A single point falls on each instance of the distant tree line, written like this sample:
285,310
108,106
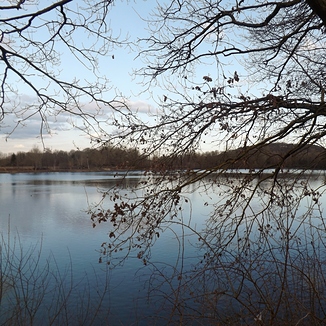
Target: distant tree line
87,159
268,157
310,157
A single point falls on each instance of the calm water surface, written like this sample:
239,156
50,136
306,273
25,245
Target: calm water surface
50,209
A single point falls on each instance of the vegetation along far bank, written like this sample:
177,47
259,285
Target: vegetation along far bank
113,158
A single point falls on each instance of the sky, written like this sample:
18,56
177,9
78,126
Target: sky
117,67
127,19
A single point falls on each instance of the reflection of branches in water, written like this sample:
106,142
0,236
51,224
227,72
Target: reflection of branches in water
259,259
37,289
262,262
138,216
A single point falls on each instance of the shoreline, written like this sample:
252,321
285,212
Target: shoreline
31,169
229,172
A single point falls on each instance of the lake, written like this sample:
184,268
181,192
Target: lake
50,210
45,223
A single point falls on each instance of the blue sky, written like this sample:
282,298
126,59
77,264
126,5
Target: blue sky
125,21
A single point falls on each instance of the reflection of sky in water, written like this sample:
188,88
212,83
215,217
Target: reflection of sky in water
53,206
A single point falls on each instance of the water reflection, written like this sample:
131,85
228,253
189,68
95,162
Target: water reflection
254,263
263,257
50,210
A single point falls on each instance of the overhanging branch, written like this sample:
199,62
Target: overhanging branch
319,8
